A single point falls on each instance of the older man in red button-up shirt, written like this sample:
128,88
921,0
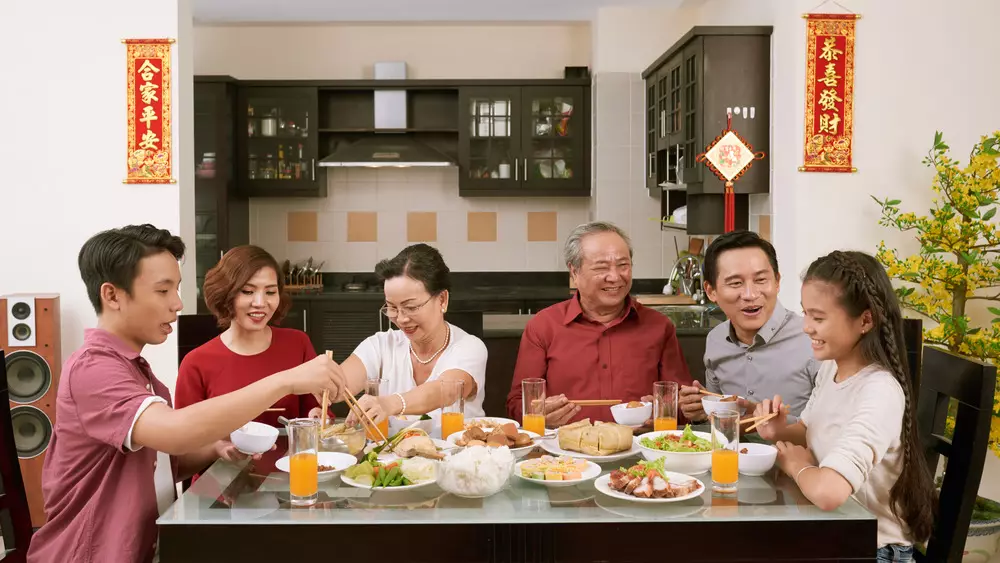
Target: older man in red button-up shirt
601,343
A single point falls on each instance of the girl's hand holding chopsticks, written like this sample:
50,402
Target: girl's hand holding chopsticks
769,418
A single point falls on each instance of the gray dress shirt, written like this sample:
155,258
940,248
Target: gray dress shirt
779,362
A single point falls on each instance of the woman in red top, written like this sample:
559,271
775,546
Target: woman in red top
246,295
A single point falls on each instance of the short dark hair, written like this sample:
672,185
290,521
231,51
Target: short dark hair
421,262
113,256
732,241
225,280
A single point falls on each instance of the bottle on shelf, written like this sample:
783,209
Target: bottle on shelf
252,167
298,164
281,162
267,171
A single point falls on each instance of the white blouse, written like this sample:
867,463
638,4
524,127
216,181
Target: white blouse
390,350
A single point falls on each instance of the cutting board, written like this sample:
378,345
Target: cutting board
660,299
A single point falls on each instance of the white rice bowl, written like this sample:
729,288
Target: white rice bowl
476,472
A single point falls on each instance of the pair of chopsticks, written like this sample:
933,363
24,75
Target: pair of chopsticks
758,420
595,402
352,403
704,391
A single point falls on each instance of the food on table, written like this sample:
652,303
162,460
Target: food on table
685,442
486,424
476,471
323,468
503,435
634,405
648,479
398,473
352,437
744,451
548,468
729,399
417,445
603,438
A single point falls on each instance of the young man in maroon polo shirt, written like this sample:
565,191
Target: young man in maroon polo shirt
103,483
600,343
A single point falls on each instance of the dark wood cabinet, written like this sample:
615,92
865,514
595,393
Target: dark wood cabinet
222,216
688,91
277,142
341,326
524,141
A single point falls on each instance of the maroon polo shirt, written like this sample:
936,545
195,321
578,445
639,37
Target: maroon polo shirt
585,359
99,496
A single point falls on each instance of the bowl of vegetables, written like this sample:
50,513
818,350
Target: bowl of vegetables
683,451
395,475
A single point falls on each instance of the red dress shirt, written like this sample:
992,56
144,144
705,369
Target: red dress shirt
585,359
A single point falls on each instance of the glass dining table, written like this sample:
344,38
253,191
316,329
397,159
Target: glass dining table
241,512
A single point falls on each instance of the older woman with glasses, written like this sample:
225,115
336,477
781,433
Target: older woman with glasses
423,350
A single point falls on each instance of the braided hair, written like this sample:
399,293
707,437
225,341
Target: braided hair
864,285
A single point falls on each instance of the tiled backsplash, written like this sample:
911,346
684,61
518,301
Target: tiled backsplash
371,214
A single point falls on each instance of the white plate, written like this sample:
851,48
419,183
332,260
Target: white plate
602,484
354,483
443,447
551,445
518,452
334,459
654,512
592,471
495,419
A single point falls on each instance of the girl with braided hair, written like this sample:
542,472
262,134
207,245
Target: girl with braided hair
857,434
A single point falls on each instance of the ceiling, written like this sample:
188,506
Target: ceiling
321,11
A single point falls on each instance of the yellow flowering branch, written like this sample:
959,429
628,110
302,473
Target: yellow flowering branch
959,240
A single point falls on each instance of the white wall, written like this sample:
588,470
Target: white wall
347,51
62,148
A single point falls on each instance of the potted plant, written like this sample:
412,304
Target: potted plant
958,263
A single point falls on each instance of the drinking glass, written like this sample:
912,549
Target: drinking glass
725,451
372,389
664,406
533,405
303,445
453,407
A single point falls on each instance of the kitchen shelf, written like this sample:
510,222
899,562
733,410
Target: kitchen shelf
390,131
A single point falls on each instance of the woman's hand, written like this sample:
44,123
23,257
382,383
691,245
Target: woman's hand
377,408
792,458
771,429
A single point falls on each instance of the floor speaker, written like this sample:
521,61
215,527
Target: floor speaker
29,337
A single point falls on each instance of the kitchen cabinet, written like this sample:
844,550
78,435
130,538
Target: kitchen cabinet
524,141
277,142
222,217
688,91
341,326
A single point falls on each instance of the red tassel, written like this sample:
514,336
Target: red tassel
730,202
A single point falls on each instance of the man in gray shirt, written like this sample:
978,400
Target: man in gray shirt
760,351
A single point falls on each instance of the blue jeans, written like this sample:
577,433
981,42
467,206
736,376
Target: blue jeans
895,553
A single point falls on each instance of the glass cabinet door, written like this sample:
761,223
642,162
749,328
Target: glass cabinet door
489,138
279,150
213,163
553,139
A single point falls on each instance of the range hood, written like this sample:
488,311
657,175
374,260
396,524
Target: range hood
388,147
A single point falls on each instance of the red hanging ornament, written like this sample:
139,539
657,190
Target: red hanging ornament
729,156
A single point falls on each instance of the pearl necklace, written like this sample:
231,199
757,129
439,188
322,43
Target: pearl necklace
447,338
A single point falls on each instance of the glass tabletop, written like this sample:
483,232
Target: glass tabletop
256,493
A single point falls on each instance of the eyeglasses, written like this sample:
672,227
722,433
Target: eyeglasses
393,312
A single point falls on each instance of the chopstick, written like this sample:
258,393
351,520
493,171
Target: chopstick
275,409
595,402
763,419
704,391
753,419
353,403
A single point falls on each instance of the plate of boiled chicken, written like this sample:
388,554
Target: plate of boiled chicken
648,482
519,441
599,442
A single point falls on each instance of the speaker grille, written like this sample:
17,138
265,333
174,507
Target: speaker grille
32,431
28,376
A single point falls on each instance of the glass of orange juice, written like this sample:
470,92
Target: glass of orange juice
725,451
303,463
664,406
452,407
533,405
372,389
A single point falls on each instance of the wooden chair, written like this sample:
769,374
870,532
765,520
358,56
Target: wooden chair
913,336
946,376
15,518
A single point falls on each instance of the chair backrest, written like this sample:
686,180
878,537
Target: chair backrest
946,377
913,337
15,518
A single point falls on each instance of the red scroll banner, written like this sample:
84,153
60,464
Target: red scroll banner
148,63
829,124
